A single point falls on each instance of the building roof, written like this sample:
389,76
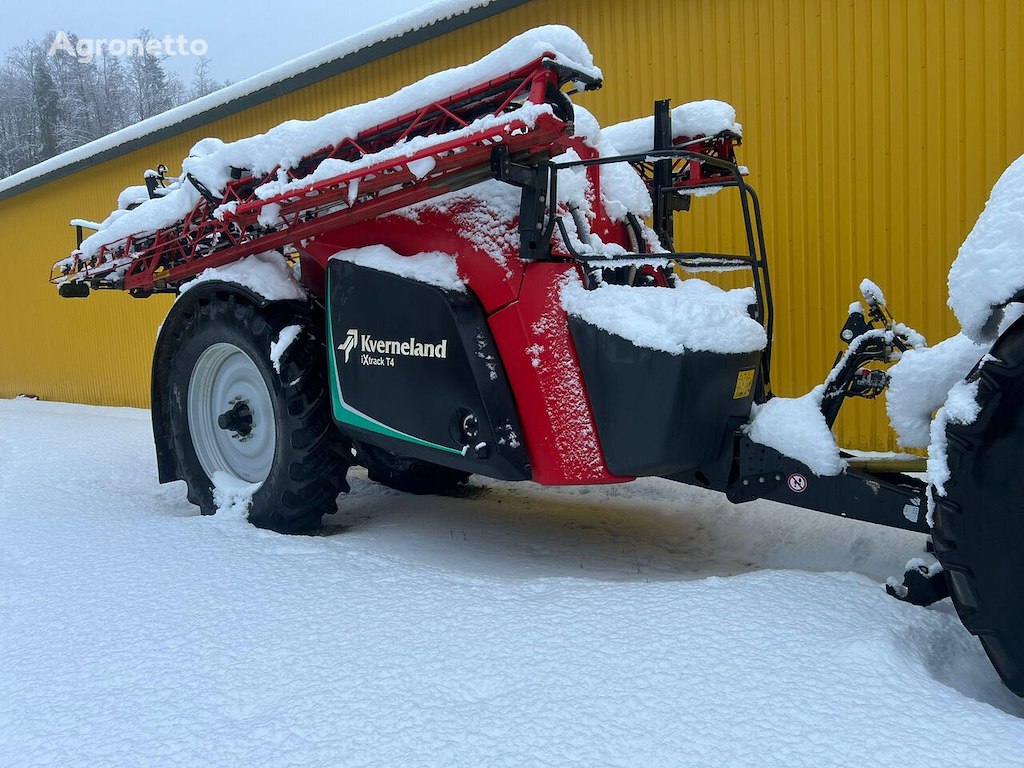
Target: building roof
432,20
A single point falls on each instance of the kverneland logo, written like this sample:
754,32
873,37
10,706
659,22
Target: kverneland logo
350,342
406,348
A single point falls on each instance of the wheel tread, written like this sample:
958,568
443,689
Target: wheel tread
312,473
978,535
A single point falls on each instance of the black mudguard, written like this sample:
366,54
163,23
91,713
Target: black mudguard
414,370
659,413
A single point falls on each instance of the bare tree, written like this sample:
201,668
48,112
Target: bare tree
202,81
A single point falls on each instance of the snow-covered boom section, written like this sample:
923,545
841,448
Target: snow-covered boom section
225,206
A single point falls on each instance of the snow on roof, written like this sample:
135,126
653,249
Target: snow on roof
195,111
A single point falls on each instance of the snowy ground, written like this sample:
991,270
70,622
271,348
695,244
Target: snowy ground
640,625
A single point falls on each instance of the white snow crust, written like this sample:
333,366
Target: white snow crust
622,190
872,293
233,497
131,196
695,118
913,337
649,624
422,167
284,340
486,213
148,217
695,315
331,168
920,383
796,427
961,407
989,268
85,223
431,267
266,274
210,160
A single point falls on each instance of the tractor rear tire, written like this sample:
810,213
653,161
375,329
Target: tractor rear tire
407,474
979,525
232,414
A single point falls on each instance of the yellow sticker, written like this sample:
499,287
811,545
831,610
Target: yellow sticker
744,383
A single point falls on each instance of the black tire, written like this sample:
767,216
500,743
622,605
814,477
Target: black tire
979,524
309,458
407,474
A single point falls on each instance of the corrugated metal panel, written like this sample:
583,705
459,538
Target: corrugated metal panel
874,130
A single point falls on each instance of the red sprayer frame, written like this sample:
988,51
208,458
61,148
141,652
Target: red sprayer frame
161,260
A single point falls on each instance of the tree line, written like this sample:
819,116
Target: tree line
53,102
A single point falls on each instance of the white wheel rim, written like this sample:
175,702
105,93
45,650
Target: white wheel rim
224,383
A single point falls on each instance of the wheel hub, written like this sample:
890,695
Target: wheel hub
231,415
237,420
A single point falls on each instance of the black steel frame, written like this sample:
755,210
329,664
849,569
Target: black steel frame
539,216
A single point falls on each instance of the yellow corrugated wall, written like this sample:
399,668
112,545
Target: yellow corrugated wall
874,130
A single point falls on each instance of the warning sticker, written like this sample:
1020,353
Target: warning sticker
744,383
797,483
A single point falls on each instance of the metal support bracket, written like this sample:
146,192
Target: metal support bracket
662,181
534,236
890,499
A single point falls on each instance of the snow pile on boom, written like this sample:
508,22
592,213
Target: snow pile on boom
304,177
430,145
696,118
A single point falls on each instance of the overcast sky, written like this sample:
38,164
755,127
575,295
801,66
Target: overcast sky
244,38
